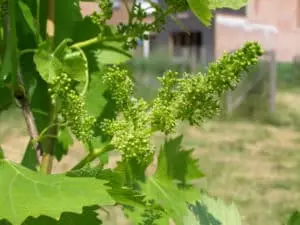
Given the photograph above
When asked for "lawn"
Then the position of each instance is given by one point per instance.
(254, 164)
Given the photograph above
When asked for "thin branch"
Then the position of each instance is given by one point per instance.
(19, 91)
(129, 10)
(50, 29)
(126, 6)
(92, 156)
(38, 26)
(48, 144)
(21, 97)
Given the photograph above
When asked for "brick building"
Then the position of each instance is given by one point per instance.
(200, 43)
(274, 24)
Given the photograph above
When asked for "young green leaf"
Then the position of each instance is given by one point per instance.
(94, 100)
(39, 101)
(64, 141)
(148, 214)
(30, 158)
(119, 191)
(112, 53)
(161, 186)
(46, 63)
(63, 60)
(232, 4)
(27, 15)
(75, 64)
(33, 194)
(178, 163)
(6, 98)
(9, 64)
(67, 14)
(211, 211)
(172, 199)
(203, 8)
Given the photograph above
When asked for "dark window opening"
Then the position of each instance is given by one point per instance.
(185, 44)
(185, 39)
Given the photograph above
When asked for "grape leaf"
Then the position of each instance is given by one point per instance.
(46, 63)
(30, 159)
(62, 59)
(178, 162)
(10, 56)
(212, 211)
(294, 219)
(191, 219)
(65, 22)
(64, 141)
(202, 8)
(75, 64)
(39, 101)
(33, 194)
(27, 15)
(6, 98)
(136, 216)
(172, 199)
(94, 100)
(91, 30)
(120, 193)
(162, 188)
(112, 53)
(88, 216)
(232, 4)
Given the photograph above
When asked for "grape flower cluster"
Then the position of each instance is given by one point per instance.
(130, 134)
(151, 214)
(71, 107)
(177, 6)
(136, 28)
(191, 97)
(105, 13)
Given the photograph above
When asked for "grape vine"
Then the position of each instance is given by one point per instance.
(76, 86)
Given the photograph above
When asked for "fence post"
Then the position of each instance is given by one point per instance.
(272, 82)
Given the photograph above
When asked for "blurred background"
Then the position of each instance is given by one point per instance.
(251, 152)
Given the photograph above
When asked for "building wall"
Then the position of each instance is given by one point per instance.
(232, 32)
(161, 40)
(192, 24)
(283, 17)
(119, 15)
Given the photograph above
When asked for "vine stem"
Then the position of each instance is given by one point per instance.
(17, 81)
(126, 6)
(92, 156)
(48, 143)
(86, 43)
(38, 14)
(28, 115)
